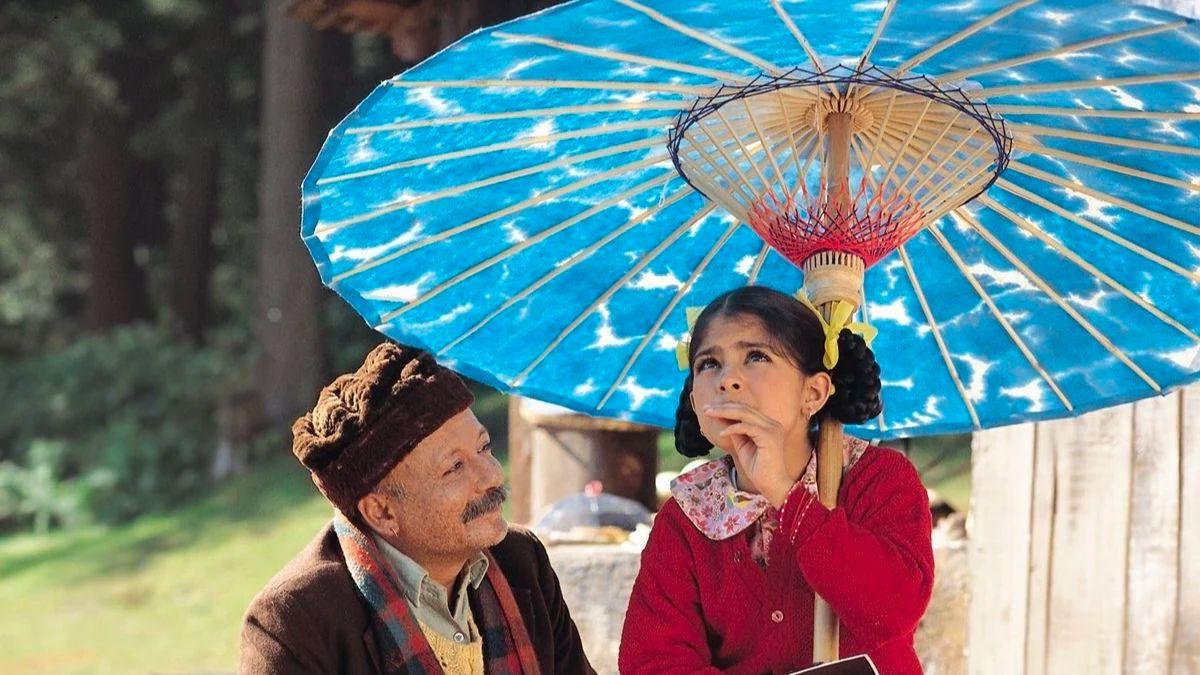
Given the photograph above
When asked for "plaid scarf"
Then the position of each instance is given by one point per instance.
(506, 645)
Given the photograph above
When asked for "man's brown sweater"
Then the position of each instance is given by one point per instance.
(310, 618)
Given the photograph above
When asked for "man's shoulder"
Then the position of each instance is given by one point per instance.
(520, 555)
(316, 577)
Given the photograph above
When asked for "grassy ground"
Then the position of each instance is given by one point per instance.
(166, 593)
(163, 594)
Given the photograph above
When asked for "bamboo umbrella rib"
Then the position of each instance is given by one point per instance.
(551, 231)
(1109, 166)
(1083, 264)
(615, 85)
(758, 263)
(812, 153)
(558, 111)
(998, 315)
(499, 178)
(1073, 85)
(945, 207)
(937, 336)
(1028, 170)
(737, 204)
(601, 130)
(948, 175)
(1015, 109)
(719, 75)
(976, 179)
(1065, 49)
(702, 37)
(879, 27)
(803, 42)
(501, 213)
(587, 312)
(961, 35)
(745, 152)
(908, 139)
(736, 184)
(928, 151)
(745, 182)
(683, 290)
(946, 156)
(1033, 277)
(883, 124)
(770, 155)
(642, 262)
(791, 130)
(1039, 130)
(1096, 229)
(933, 171)
(707, 183)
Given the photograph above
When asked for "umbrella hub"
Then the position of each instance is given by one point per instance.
(847, 160)
(859, 113)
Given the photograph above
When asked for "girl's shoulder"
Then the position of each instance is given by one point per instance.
(882, 473)
(881, 458)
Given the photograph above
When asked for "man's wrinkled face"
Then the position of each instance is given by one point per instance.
(444, 498)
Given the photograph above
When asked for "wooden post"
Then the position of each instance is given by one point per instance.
(520, 462)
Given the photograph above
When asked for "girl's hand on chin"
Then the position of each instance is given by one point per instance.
(757, 441)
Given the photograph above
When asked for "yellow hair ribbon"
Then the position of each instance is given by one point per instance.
(839, 319)
(681, 347)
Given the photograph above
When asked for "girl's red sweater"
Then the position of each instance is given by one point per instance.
(704, 606)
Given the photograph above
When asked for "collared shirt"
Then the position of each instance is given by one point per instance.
(710, 498)
(428, 599)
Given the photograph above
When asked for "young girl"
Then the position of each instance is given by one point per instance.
(734, 558)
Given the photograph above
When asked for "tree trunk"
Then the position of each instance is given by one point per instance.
(117, 285)
(192, 254)
(288, 322)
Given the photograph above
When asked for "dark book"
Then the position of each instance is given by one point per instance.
(854, 665)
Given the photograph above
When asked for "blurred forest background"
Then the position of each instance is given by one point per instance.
(161, 324)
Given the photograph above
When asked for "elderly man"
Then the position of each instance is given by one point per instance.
(418, 572)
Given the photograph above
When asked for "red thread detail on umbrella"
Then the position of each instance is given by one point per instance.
(805, 224)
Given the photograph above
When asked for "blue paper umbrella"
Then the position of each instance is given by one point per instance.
(541, 203)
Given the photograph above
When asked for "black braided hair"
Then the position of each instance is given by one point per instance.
(689, 441)
(856, 384)
(797, 333)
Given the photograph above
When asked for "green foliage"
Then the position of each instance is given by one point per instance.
(109, 427)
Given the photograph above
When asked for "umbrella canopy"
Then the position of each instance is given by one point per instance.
(540, 203)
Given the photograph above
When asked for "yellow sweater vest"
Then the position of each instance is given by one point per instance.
(456, 659)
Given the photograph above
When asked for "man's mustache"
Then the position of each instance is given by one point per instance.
(486, 504)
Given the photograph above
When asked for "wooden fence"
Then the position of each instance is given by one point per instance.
(1085, 543)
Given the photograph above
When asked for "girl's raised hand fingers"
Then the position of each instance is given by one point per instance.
(737, 411)
(741, 428)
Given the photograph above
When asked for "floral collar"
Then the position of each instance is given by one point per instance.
(710, 498)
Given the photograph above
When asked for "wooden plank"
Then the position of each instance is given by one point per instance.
(1153, 568)
(1041, 528)
(1086, 618)
(520, 463)
(1186, 649)
(1002, 477)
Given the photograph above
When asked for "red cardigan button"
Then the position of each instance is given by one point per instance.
(777, 616)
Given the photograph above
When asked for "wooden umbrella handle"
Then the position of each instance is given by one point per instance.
(830, 458)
